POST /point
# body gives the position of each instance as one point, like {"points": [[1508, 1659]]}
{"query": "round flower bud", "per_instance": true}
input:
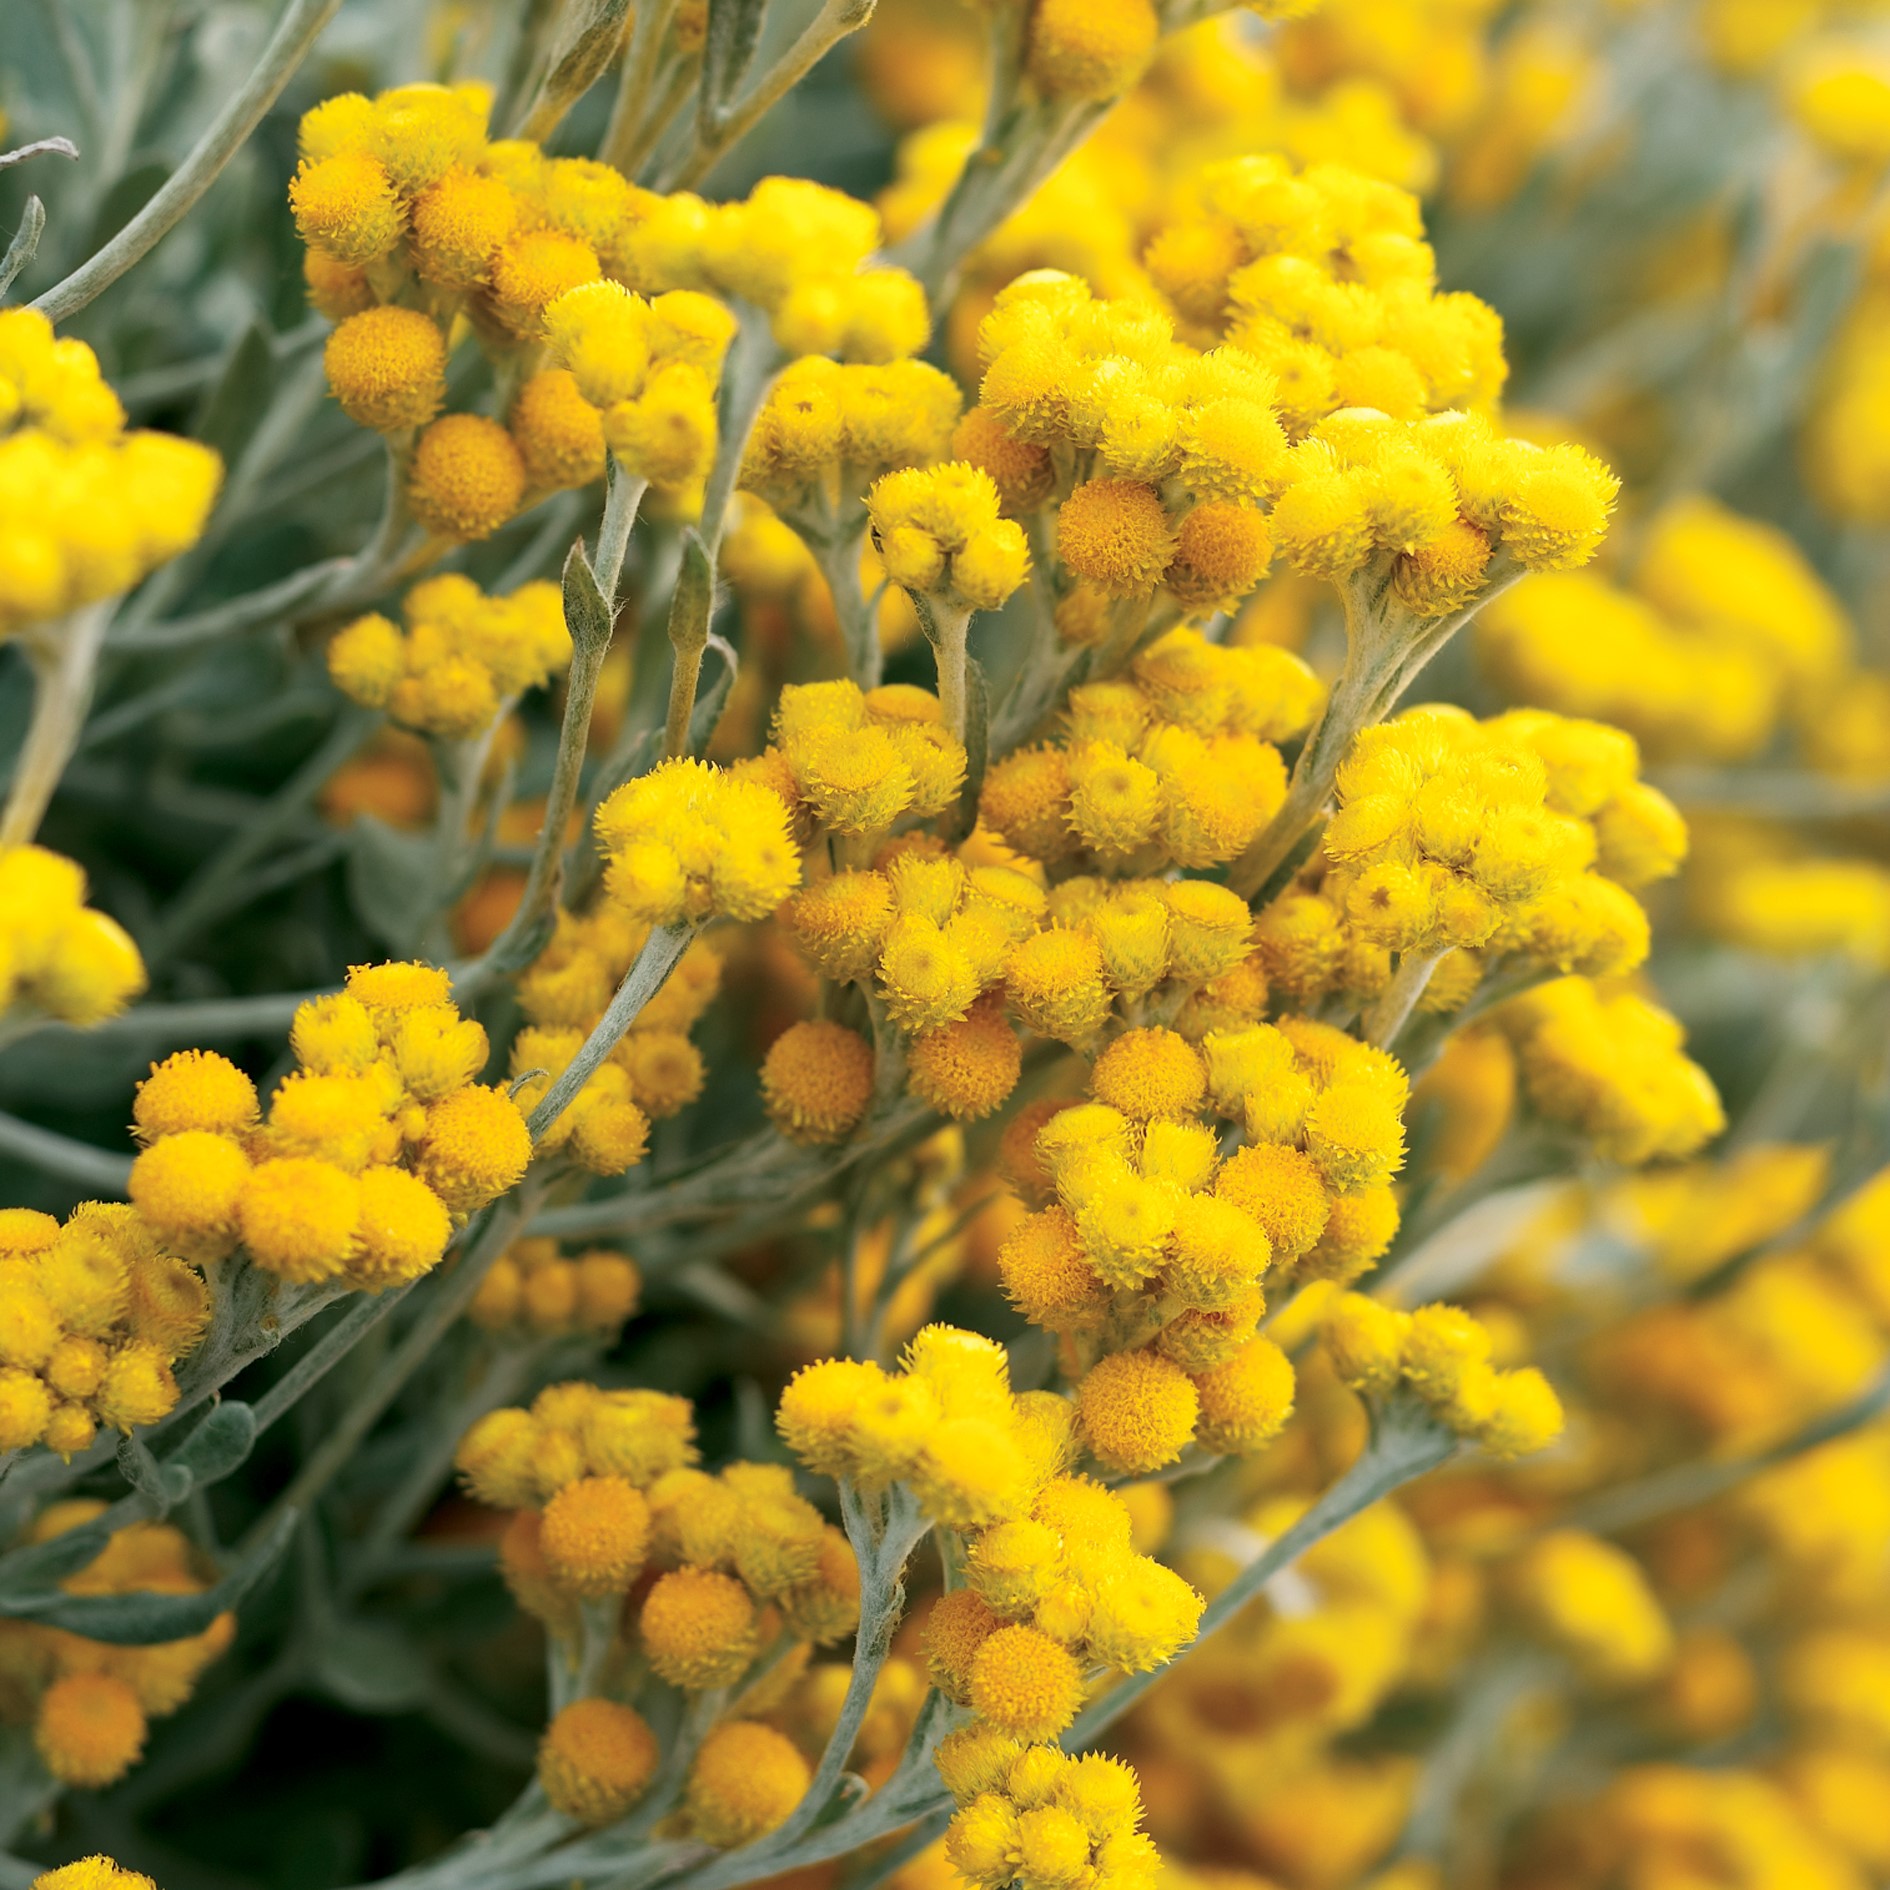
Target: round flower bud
{"points": [[817, 1080], [595, 1760], [90, 1729], [747, 1779], [1137, 1411], [387, 368], [595, 1535], [698, 1628], [1024, 1683], [467, 477], [194, 1089]]}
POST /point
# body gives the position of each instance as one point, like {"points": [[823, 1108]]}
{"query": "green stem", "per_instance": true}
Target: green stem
{"points": [[295, 33], [495, 1229], [835, 20], [64, 656], [1404, 1445], [634, 85], [59, 1155], [640, 983], [947, 624], [1395, 1003]]}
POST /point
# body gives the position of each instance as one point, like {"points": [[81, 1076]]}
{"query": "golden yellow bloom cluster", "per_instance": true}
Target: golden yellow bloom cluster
{"points": [[1054, 1587], [828, 429], [640, 376], [1441, 1355], [93, 1873], [1213, 90], [417, 226], [727, 1567], [59, 957], [1173, 763], [372, 1149], [87, 509], [1518, 838], [689, 842], [856, 763], [533, 1291], [1724, 631], [463, 658], [1608, 1064], [939, 534], [93, 1314], [90, 1702], [1035, 1816]]}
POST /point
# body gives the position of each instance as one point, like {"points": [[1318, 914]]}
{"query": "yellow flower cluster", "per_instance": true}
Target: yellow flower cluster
{"points": [[1034, 1816], [643, 375], [855, 763], [93, 1315], [1441, 1355], [374, 1147], [58, 956], [1151, 1259], [689, 842], [97, 1872], [798, 251], [532, 1291], [1518, 836], [939, 533], [654, 1070], [463, 658], [87, 509], [414, 220], [90, 1702], [608, 1499], [828, 429], [1053, 1586], [1609, 1065], [1173, 763], [1724, 631], [1200, 466]]}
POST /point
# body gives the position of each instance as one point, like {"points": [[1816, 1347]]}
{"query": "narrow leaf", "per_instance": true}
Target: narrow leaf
{"points": [[25, 244], [734, 32], [40, 147], [146, 1619], [977, 743], [234, 407], [219, 1445], [586, 615]]}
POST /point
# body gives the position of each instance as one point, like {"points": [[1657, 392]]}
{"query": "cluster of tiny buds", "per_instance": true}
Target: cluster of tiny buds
{"points": [[463, 658], [372, 1149], [93, 1316], [533, 1291], [700, 1575], [1054, 1586], [87, 509], [1441, 1355], [60, 957], [91, 1702]]}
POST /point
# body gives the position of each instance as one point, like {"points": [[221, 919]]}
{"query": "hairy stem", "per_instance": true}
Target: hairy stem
{"points": [[641, 982], [64, 655], [295, 33]]}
